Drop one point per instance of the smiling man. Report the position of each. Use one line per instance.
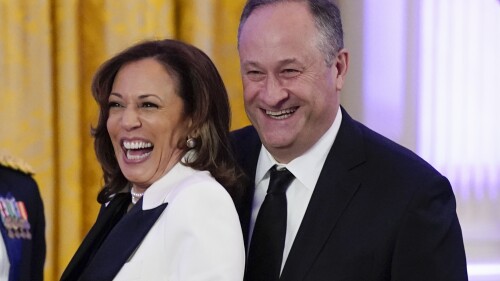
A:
(328, 198)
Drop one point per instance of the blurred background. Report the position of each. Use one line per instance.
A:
(424, 73)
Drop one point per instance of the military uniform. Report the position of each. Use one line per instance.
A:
(22, 223)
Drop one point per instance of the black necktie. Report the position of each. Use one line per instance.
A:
(268, 239)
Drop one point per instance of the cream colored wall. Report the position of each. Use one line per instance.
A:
(352, 94)
(399, 124)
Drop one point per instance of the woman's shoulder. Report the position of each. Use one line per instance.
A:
(199, 191)
(201, 185)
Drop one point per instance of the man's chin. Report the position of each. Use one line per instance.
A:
(274, 141)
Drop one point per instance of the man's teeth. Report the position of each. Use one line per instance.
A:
(136, 144)
(137, 157)
(282, 114)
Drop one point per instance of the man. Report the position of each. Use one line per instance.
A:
(359, 206)
(22, 227)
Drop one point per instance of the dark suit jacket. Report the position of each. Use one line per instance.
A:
(378, 212)
(111, 241)
(26, 256)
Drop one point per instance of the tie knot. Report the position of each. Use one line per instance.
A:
(280, 180)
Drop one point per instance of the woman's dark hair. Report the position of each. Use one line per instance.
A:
(205, 102)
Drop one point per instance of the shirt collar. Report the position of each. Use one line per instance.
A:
(158, 192)
(307, 167)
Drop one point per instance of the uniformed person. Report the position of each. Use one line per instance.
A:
(22, 226)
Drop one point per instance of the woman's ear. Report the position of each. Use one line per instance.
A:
(189, 127)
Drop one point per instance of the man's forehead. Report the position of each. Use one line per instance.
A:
(286, 12)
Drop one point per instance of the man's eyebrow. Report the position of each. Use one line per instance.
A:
(250, 63)
(281, 62)
(288, 61)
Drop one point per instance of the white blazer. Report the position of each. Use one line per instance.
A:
(197, 237)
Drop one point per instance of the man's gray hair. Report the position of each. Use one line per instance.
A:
(326, 15)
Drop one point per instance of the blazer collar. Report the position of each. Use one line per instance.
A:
(121, 243)
(163, 189)
(108, 217)
(116, 238)
(247, 145)
(330, 198)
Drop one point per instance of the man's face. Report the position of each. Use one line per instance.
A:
(291, 95)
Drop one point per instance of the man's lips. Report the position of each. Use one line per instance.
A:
(281, 114)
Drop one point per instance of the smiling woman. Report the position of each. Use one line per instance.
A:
(146, 122)
(162, 141)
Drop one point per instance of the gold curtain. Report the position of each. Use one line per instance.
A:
(49, 50)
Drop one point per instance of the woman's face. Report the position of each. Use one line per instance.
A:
(146, 121)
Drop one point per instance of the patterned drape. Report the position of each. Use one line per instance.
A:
(49, 50)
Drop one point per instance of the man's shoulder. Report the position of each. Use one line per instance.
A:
(246, 146)
(15, 165)
(16, 177)
(248, 131)
(384, 151)
(244, 137)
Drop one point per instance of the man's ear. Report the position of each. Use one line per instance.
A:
(342, 65)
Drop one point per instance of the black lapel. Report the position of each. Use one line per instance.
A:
(247, 147)
(106, 220)
(335, 188)
(121, 242)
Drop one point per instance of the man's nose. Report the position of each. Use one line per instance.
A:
(274, 92)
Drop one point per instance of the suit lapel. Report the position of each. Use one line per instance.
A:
(247, 147)
(106, 220)
(334, 190)
(121, 242)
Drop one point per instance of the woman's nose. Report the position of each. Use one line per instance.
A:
(131, 118)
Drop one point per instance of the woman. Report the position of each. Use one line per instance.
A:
(162, 142)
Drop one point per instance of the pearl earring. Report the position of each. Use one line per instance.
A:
(191, 143)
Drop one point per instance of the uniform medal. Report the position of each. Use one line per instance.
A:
(15, 218)
(6, 218)
(24, 219)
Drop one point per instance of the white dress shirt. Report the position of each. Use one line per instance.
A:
(306, 169)
(197, 237)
